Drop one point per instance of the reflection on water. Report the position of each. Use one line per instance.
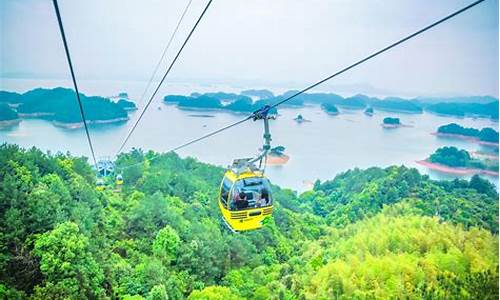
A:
(318, 150)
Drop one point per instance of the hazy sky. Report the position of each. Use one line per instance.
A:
(260, 43)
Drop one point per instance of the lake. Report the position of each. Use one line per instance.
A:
(318, 150)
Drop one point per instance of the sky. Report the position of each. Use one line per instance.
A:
(260, 43)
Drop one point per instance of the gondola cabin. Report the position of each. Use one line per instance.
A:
(245, 199)
(119, 179)
(100, 184)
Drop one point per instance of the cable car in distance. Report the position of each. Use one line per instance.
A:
(100, 185)
(245, 198)
(119, 179)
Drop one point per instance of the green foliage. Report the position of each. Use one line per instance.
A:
(376, 233)
(68, 266)
(453, 157)
(166, 243)
(213, 293)
(486, 134)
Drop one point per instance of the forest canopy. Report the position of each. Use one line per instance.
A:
(374, 233)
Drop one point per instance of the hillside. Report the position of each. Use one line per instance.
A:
(375, 233)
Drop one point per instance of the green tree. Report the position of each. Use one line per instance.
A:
(166, 244)
(70, 269)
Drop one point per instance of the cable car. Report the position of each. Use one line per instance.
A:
(100, 185)
(119, 179)
(245, 198)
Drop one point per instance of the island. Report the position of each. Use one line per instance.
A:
(391, 123)
(300, 119)
(488, 110)
(244, 102)
(486, 136)
(369, 111)
(396, 104)
(211, 101)
(330, 109)
(276, 156)
(60, 106)
(126, 105)
(456, 161)
(8, 116)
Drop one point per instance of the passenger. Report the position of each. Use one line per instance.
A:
(264, 196)
(240, 200)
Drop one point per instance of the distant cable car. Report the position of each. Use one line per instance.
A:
(100, 184)
(119, 179)
(245, 198)
(105, 167)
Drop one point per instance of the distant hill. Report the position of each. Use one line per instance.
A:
(465, 99)
(396, 104)
(239, 103)
(60, 105)
(262, 94)
(7, 113)
(456, 106)
(489, 110)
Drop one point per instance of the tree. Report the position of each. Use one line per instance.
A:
(166, 244)
(213, 293)
(70, 269)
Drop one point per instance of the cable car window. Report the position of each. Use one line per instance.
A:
(251, 193)
(225, 188)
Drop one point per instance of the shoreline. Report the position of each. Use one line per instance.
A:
(277, 160)
(9, 123)
(78, 125)
(455, 171)
(465, 138)
(35, 115)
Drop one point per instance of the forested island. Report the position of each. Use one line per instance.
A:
(228, 102)
(330, 109)
(488, 136)
(460, 162)
(60, 106)
(390, 122)
(452, 106)
(489, 110)
(376, 233)
(369, 111)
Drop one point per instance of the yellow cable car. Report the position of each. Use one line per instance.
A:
(119, 179)
(100, 185)
(245, 198)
